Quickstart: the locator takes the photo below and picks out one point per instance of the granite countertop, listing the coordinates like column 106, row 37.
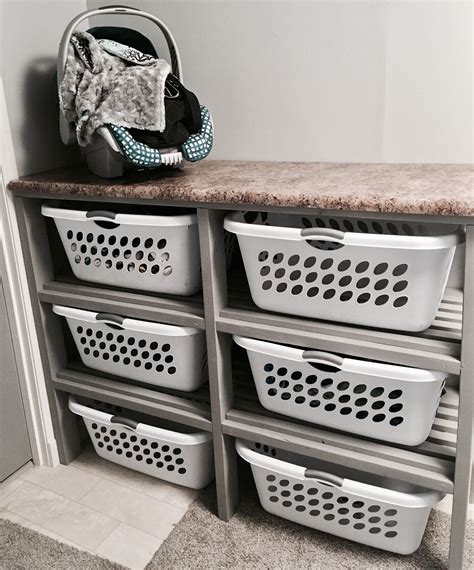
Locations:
column 431, row 189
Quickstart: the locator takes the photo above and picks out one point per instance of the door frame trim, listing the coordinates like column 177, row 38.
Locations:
column 19, row 309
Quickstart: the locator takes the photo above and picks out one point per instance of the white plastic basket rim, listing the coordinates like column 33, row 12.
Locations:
column 412, row 500
column 127, row 324
column 365, row 367
column 233, row 224
column 141, row 429
column 122, row 219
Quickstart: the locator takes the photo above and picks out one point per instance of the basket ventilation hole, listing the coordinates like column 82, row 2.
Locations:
column 266, row 450
column 315, row 503
column 141, row 450
column 367, row 226
column 312, row 277
column 127, row 350
column 295, row 386
column 125, row 249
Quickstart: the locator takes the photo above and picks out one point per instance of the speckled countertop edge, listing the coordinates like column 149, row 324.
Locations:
column 446, row 190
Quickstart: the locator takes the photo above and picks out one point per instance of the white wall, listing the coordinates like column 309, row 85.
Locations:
column 30, row 35
column 336, row 80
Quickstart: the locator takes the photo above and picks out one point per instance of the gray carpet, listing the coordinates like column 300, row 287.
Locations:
column 254, row 539
column 25, row 549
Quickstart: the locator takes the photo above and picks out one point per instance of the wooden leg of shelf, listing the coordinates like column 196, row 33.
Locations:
column 464, row 451
column 213, row 261
column 226, row 475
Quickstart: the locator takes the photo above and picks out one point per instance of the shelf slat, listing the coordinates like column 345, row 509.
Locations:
column 439, row 447
column 146, row 400
column 342, row 449
column 189, row 303
column 450, row 306
column 436, row 348
column 137, row 305
column 200, row 396
column 405, row 350
column 441, row 442
column 420, row 341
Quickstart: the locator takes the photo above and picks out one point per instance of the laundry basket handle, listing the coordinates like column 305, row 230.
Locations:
column 323, row 358
column 324, row 234
column 126, row 422
column 66, row 38
column 101, row 214
column 110, row 318
column 323, row 477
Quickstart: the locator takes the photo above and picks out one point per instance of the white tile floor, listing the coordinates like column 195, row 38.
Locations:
column 97, row 506
column 101, row 507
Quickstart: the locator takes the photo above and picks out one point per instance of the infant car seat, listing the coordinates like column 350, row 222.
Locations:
column 188, row 133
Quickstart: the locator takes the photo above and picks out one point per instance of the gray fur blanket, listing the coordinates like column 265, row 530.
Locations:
column 107, row 82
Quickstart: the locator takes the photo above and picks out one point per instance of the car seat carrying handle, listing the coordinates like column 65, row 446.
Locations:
column 119, row 10
column 119, row 6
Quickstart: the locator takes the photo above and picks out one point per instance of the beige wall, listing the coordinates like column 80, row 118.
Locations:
column 30, row 35
column 338, row 80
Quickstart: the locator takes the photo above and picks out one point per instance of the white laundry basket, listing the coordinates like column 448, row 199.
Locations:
column 154, row 353
column 139, row 251
column 369, row 509
column 382, row 274
column 184, row 457
column 384, row 401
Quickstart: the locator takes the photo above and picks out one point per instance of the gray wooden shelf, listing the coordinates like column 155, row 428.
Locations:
column 364, row 455
column 430, row 464
column 144, row 400
column 441, row 442
column 446, row 327
column 378, row 345
column 200, row 396
column 133, row 304
column 229, row 406
column 437, row 348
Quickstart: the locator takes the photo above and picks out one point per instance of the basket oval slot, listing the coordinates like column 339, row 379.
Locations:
column 101, row 214
column 110, row 318
column 323, row 358
column 323, row 234
column 323, row 477
column 127, row 422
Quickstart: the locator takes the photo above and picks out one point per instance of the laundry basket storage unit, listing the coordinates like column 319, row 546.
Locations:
column 174, row 453
column 368, row 272
column 157, row 253
column 369, row 509
column 154, row 353
column 393, row 403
